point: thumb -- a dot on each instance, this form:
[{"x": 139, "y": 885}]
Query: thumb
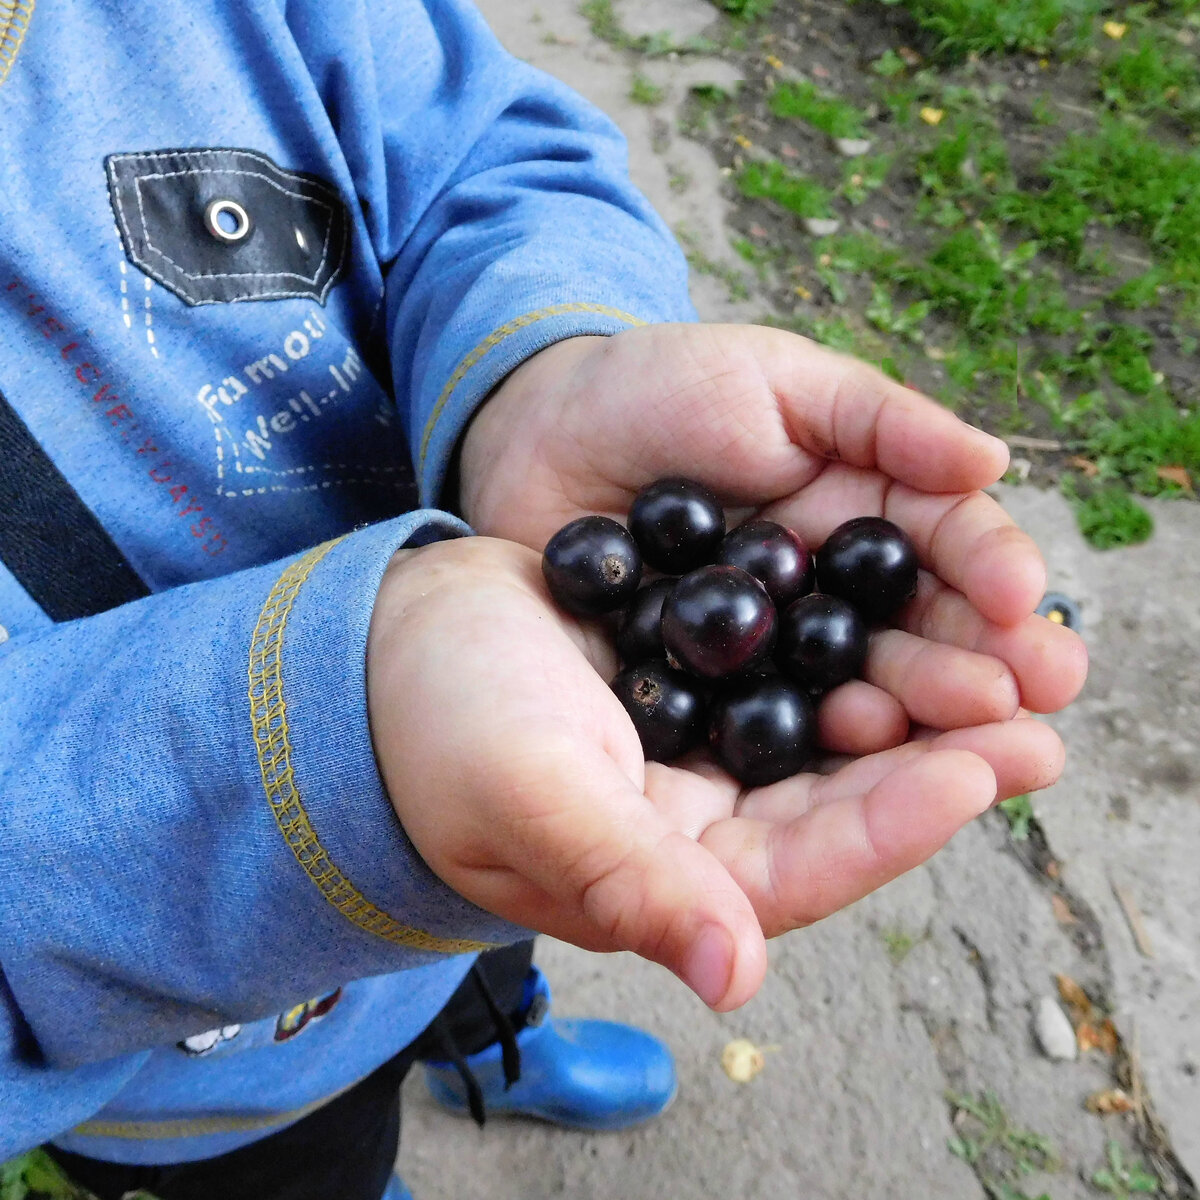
[{"x": 616, "y": 876}]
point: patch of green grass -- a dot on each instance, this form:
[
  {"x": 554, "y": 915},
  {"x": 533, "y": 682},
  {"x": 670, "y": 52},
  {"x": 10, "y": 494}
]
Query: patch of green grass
[
  {"x": 898, "y": 942},
  {"x": 960, "y": 28},
  {"x": 1018, "y": 810},
  {"x": 1108, "y": 516},
  {"x": 1123, "y": 1179},
  {"x": 643, "y": 91},
  {"x": 745, "y": 10},
  {"x": 36, "y": 1174},
  {"x": 699, "y": 262},
  {"x": 862, "y": 176},
  {"x": 1117, "y": 176},
  {"x": 604, "y": 24},
  {"x": 804, "y": 101},
  {"x": 1134, "y": 445},
  {"x": 1154, "y": 75},
  {"x": 796, "y": 193},
  {"x": 999, "y": 1151}
]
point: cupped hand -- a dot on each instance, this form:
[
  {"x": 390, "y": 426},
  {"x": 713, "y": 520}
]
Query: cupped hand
[
  {"x": 786, "y": 429},
  {"x": 520, "y": 780}
]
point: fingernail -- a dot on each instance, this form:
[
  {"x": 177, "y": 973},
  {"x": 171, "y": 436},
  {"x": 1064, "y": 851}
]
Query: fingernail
[{"x": 709, "y": 964}]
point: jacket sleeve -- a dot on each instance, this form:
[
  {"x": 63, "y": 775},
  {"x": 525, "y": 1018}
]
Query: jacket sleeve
[
  {"x": 194, "y": 827},
  {"x": 497, "y": 199}
]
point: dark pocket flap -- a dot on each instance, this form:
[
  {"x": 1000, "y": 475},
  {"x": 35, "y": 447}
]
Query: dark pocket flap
[{"x": 216, "y": 226}]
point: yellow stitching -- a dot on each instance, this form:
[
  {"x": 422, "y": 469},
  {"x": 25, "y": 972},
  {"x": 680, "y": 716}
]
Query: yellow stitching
[
  {"x": 12, "y": 33},
  {"x": 199, "y": 1126},
  {"x": 268, "y": 715},
  {"x": 499, "y": 335}
]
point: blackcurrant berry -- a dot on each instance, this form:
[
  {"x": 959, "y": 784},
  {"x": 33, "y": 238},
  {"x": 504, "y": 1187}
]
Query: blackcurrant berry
[
  {"x": 774, "y": 555},
  {"x": 665, "y": 706},
  {"x": 822, "y": 642},
  {"x": 871, "y": 563},
  {"x": 762, "y": 730},
  {"x": 639, "y": 637},
  {"x": 592, "y": 566},
  {"x": 678, "y": 524},
  {"x": 718, "y": 621}
]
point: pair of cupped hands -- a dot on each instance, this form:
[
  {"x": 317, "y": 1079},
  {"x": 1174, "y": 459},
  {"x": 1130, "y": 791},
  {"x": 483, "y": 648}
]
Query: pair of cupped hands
[{"x": 516, "y": 772}]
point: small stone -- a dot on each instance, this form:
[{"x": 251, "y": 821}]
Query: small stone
[
  {"x": 1019, "y": 468},
  {"x": 1054, "y": 1032},
  {"x": 821, "y": 226},
  {"x": 852, "y": 147}
]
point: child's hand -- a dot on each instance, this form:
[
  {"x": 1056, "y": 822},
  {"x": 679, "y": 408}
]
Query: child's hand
[
  {"x": 520, "y": 780},
  {"x": 810, "y": 438}
]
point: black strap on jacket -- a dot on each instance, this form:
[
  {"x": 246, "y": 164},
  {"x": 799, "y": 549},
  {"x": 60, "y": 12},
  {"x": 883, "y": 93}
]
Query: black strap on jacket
[{"x": 50, "y": 540}]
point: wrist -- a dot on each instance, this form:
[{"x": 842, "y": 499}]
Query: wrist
[{"x": 506, "y": 429}]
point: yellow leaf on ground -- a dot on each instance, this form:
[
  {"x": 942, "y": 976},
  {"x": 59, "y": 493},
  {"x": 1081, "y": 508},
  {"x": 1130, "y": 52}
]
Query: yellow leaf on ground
[
  {"x": 774, "y": 62},
  {"x": 1115, "y": 29},
  {"x": 932, "y": 116},
  {"x": 803, "y": 292},
  {"x": 742, "y": 1060},
  {"x": 743, "y": 141}
]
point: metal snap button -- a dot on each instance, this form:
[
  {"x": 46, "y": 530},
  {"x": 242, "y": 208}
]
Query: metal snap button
[{"x": 227, "y": 221}]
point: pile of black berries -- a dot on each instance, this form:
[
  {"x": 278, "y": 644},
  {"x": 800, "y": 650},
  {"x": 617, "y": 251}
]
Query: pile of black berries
[{"x": 742, "y": 633}]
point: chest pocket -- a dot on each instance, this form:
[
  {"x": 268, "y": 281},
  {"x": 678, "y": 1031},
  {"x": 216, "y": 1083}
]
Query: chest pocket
[{"x": 216, "y": 226}]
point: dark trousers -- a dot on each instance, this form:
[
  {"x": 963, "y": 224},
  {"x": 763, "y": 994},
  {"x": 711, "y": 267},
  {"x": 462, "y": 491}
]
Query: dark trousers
[{"x": 346, "y": 1149}]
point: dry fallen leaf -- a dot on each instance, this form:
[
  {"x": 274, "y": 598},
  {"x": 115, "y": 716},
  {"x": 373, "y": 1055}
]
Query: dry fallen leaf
[
  {"x": 1085, "y": 465},
  {"x": 910, "y": 56},
  {"x": 1062, "y": 911},
  {"x": 1075, "y": 998},
  {"x": 802, "y": 292},
  {"x": 1102, "y": 1037},
  {"x": 743, "y": 141},
  {"x": 1115, "y": 29},
  {"x": 1179, "y": 475},
  {"x": 742, "y": 1060},
  {"x": 774, "y": 63},
  {"x": 1112, "y": 1101},
  {"x": 932, "y": 116}
]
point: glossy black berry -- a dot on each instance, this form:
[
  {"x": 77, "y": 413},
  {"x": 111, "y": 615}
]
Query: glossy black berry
[
  {"x": 592, "y": 566},
  {"x": 666, "y": 707},
  {"x": 678, "y": 525},
  {"x": 639, "y": 636},
  {"x": 822, "y": 642},
  {"x": 774, "y": 555},
  {"x": 762, "y": 730},
  {"x": 871, "y": 563},
  {"x": 718, "y": 621}
]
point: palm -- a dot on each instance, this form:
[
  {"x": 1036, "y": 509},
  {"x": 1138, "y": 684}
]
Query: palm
[
  {"x": 520, "y": 780},
  {"x": 780, "y": 427}
]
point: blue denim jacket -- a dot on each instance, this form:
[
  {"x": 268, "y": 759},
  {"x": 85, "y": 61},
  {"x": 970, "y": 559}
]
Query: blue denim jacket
[{"x": 256, "y": 257}]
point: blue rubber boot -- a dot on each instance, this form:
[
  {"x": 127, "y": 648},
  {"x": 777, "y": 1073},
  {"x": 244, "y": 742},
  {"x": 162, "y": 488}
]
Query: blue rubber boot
[
  {"x": 581, "y": 1074},
  {"x": 396, "y": 1190}
]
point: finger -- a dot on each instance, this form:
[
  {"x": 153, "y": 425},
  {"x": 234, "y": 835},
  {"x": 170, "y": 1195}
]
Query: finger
[
  {"x": 1025, "y": 755},
  {"x": 621, "y": 877},
  {"x": 972, "y": 544},
  {"x": 835, "y": 853},
  {"x": 844, "y": 410},
  {"x": 941, "y": 685},
  {"x": 1048, "y": 661},
  {"x": 860, "y": 718},
  {"x": 966, "y": 539}
]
